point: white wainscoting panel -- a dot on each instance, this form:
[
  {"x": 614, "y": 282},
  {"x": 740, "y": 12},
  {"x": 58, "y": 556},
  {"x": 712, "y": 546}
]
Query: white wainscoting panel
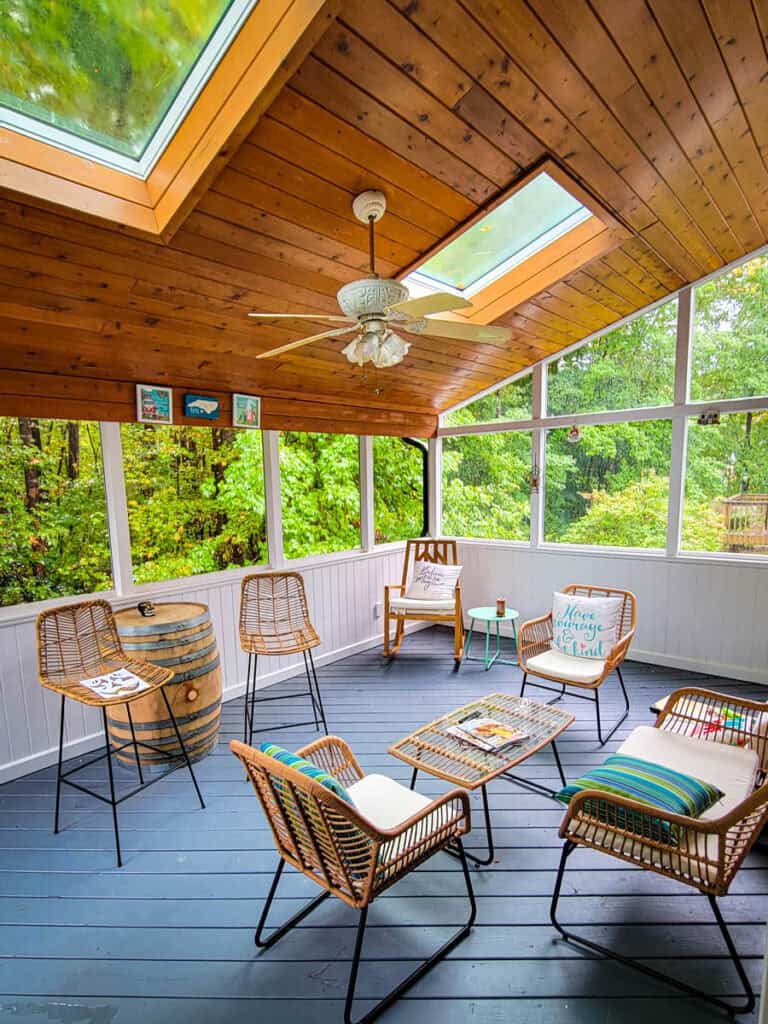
[
  {"x": 706, "y": 616},
  {"x": 341, "y": 594}
]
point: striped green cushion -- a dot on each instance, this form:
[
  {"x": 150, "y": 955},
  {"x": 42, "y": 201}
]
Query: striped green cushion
[
  {"x": 306, "y": 768},
  {"x": 648, "y": 783}
]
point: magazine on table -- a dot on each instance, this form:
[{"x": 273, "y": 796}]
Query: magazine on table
[
  {"x": 487, "y": 733},
  {"x": 120, "y": 683}
]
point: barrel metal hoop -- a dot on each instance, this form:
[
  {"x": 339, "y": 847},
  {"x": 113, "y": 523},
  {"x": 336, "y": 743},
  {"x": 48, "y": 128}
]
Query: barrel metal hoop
[
  {"x": 166, "y": 723},
  {"x": 159, "y": 645},
  {"x": 171, "y": 627},
  {"x": 182, "y": 659},
  {"x": 193, "y": 673}
]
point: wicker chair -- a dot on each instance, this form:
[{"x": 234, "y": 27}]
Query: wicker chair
[
  {"x": 80, "y": 641},
  {"x": 274, "y": 620},
  {"x": 704, "y": 853},
  {"x": 402, "y": 609},
  {"x": 537, "y": 657},
  {"x": 353, "y": 852}
]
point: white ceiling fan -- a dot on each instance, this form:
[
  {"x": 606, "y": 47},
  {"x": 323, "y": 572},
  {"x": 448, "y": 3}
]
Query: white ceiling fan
[{"x": 373, "y": 305}]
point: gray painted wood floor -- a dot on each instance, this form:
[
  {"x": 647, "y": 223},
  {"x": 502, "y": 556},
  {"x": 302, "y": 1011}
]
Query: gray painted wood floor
[{"x": 169, "y": 938}]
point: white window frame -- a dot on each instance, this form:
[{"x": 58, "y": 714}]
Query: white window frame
[{"x": 679, "y": 413}]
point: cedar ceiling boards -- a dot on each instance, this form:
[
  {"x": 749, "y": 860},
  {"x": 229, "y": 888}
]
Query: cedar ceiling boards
[{"x": 658, "y": 107}]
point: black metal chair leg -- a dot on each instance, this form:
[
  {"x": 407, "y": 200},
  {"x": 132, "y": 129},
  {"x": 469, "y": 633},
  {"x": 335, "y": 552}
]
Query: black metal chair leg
[
  {"x": 180, "y": 740},
  {"x": 481, "y": 861},
  {"x": 421, "y": 970},
  {"x": 749, "y": 1006},
  {"x": 112, "y": 799},
  {"x": 58, "y": 770},
  {"x": 245, "y": 702},
  {"x": 414, "y": 773},
  {"x": 317, "y": 690},
  {"x": 667, "y": 979},
  {"x": 135, "y": 744},
  {"x": 311, "y": 691},
  {"x": 559, "y": 696},
  {"x": 558, "y": 763},
  {"x": 278, "y": 933},
  {"x": 622, "y": 718},
  {"x": 522, "y": 685}
]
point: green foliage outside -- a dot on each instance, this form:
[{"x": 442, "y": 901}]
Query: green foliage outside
[
  {"x": 486, "y": 485},
  {"x": 320, "y": 484},
  {"x": 397, "y": 490},
  {"x": 104, "y": 69},
  {"x": 512, "y": 402},
  {"x": 54, "y": 538},
  {"x": 730, "y": 343},
  {"x": 195, "y": 499}
]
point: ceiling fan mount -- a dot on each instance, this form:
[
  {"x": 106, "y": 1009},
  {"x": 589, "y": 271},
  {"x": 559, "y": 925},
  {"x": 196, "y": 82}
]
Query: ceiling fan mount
[{"x": 372, "y": 305}]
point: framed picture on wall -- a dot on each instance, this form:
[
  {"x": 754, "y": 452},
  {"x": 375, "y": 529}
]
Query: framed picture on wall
[
  {"x": 246, "y": 411},
  {"x": 154, "y": 404},
  {"x": 201, "y": 407}
]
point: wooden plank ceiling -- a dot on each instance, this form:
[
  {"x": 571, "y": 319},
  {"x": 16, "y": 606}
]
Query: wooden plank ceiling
[{"x": 658, "y": 107}]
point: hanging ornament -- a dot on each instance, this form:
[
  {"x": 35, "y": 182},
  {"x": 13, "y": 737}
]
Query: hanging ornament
[{"x": 574, "y": 435}]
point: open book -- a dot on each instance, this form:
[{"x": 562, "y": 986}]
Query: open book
[
  {"x": 120, "y": 683},
  {"x": 487, "y": 733}
]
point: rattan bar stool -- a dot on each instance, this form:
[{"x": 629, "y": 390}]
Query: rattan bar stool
[
  {"x": 78, "y": 642},
  {"x": 274, "y": 620}
]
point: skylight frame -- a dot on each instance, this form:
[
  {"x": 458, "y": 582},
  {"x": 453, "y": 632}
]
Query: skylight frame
[
  {"x": 538, "y": 244},
  {"x": 186, "y": 97},
  {"x": 529, "y": 272}
]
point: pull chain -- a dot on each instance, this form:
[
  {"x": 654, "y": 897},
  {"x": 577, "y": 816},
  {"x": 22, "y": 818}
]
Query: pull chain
[{"x": 372, "y": 244}]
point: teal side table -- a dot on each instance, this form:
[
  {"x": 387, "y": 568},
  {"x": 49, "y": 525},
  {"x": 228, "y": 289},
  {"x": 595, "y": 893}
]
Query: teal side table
[{"x": 489, "y": 616}]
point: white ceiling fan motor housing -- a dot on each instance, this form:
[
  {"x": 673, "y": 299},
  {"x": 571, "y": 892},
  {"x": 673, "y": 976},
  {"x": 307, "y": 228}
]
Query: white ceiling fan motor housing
[{"x": 370, "y": 297}]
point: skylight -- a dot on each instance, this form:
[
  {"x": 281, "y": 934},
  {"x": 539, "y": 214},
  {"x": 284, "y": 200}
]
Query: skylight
[
  {"x": 529, "y": 220},
  {"x": 110, "y": 81}
]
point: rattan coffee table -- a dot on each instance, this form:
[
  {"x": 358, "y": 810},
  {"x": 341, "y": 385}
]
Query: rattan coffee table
[{"x": 432, "y": 749}]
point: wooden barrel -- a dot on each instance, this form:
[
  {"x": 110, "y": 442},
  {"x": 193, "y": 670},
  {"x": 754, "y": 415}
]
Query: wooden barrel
[{"x": 179, "y": 636}]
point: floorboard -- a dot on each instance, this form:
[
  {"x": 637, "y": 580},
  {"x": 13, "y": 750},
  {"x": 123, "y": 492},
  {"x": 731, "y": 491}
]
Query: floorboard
[{"x": 169, "y": 938}]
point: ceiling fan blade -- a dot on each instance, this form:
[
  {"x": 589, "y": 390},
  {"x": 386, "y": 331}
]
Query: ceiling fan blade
[
  {"x": 305, "y": 341},
  {"x": 303, "y": 316},
  {"x": 438, "y": 302},
  {"x": 462, "y": 331}
]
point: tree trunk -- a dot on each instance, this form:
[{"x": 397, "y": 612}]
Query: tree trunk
[
  {"x": 29, "y": 431},
  {"x": 747, "y": 444},
  {"x": 73, "y": 451}
]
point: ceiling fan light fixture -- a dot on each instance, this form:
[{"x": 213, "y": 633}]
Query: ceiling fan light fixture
[{"x": 391, "y": 351}]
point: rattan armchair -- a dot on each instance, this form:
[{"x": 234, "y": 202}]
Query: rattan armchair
[
  {"x": 535, "y": 645},
  {"x": 704, "y": 853},
  {"x": 274, "y": 620},
  {"x": 80, "y": 641},
  {"x": 401, "y": 609},
  {"x": 345, "y": 853}
]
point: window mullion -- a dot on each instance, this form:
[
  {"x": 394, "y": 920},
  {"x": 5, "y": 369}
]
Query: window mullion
[
  {"x": 117, "y": 507},
  {"x": 678, "y": 457},
  {"x": 538, "y": 453},
  {"x": 274, "y": 509},
  {"x": 367, "y": 530},
  {"x": 435, "y": 473}
]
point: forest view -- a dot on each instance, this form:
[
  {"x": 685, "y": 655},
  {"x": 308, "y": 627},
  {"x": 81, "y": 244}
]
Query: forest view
[
  {"x": 107, "y": 71},
  {"x": 196, "y": 499}
]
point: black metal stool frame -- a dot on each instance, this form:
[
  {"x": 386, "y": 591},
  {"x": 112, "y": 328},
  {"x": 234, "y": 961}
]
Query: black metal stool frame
[
  {"x": 112, "y": 800},
  {"x": 313, "y": 692}
]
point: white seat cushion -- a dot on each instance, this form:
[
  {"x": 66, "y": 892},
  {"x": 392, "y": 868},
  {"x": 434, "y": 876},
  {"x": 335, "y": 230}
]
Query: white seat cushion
[
  {"x": 384, "y": 802},
  {"x": 565, "y": 666},
  {"x": 411, "y": 604},
  {"x": 732, "y": 769}
]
